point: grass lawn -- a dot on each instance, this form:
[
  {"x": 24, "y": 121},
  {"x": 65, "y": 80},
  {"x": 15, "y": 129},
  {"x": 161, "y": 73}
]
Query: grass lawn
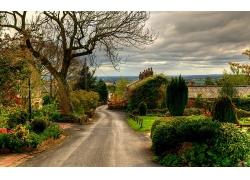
[
  {"x": 146, "y": 126},
  {"x": 147, "y": 123}
]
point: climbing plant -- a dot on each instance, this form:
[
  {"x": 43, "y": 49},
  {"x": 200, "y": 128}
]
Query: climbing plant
[{"x": 150, "y": 91}]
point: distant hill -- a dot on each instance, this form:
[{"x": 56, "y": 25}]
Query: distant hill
[{"x": 198, "y": 79}]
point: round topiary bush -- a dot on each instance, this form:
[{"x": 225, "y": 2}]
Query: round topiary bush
[
  {"x": 224, "y": 110},
  {"x": 38, "y": 125},
  {"x": 142, "y": 108}
]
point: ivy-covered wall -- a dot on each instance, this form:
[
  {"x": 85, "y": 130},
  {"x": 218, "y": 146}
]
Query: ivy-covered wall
[{"x": 151, "y": 90}]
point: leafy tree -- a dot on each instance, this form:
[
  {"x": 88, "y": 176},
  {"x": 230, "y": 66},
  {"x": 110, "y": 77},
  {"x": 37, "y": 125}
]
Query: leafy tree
[
  {"x": 121, "y": 86},
  {"x": 91, "y": 80},
  {"x": 177, "y": 96},
  {"x": 78, "y": 34},
  {"x": 228, "y": 89},
  {"x": 14, "y": 70},
  {"x": 102, "y": 91},
  {"x": 209, "y": 81}
]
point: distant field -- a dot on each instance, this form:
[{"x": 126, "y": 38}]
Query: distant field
[{"x": 198, "y": 79}]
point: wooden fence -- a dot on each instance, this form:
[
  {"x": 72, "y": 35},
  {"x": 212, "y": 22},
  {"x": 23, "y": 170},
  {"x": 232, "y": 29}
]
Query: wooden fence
[{"x": 136, "y": 119}]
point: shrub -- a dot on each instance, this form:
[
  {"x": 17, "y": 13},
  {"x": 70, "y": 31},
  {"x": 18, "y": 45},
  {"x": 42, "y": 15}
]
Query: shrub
[
  {"x": 47, "y": 99},
  {"x": 142, "y": 108},
  {"x": 48, "y": 110},
  {"x": 38, "y": 125},
  {"x": 33, "y": 140},
  {"x": 177, "y": 96},
  {"x": 192, "y": 111},
  {"x": 84, "y": 100},
  {"x": 223, "y": 110},
  {"x": 198, "y": 101},
  {"x": 155, "y": 123},
  {"x": 228, "y": 148},
  {"x": 171, "y": 160},
  {"x": 168, "y": 134},
  {"x": 242, "y": 103},
  {"x": 52, "y": 131},
  {"x": 17, "y": 117},
  {"x": 56, "y": 116},
  {"x": 242, "y": 113},
  {"x": 20, "y": 132}
]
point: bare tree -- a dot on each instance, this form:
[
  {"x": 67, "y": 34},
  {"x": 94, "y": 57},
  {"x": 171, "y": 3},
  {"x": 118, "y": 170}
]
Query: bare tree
[{"x": 78, "y": 34}]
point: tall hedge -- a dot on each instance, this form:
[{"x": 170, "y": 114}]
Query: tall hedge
[
  {"x": 223, "y": 110},
  {"x": 177, "y": 96}
]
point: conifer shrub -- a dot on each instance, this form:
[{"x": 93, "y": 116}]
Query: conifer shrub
[
  {"x": 224, "y": 110},
  {"x": 38, "y": 125},
  {"x": 177, "y": 96},
  {"x": 142, "y": 108}
]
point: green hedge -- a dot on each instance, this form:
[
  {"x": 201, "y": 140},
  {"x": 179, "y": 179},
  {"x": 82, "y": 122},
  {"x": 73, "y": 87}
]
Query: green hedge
[
  {"x": 169, "y": 134},
  {"x": 213, "y": 143}
]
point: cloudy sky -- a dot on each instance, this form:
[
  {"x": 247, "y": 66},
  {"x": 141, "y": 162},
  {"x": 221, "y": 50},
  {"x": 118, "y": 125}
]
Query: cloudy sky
[
  {"x": 192, "y": 40},
  {"x": 189, "y": 42}
]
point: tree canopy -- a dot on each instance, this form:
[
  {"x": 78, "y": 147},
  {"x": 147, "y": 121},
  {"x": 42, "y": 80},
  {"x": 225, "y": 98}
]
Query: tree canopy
[{"x": 76, "y": 34}]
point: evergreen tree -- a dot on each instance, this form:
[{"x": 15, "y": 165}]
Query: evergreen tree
[
  {"x": 224, "y": 110},
  {"x": 177, "y": 96},
  {"x": 91, "y": 80},
  {"x": 102, "y": 91}
]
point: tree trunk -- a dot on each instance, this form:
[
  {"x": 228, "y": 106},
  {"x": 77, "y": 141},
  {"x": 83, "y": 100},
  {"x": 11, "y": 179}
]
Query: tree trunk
[{"x": 66, "y": 106}]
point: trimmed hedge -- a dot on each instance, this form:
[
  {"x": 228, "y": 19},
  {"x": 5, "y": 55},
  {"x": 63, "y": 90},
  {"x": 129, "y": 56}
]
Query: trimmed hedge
[{"x": 169, "y": 134}]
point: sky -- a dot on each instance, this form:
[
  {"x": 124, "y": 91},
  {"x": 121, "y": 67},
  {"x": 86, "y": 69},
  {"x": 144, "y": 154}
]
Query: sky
[
  {"x": 190, "y": 42},
  {"x": 192, "y": 39}
]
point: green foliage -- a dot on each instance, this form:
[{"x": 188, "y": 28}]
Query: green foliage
[
  {"x": 121, "y": 86},
  {"x": 228, "y": 89},
  {"x": 33, "y": 140},
  {"x": 223, "y": 110},
  {"x": 20, "y": 132},
  {"x": 192, "y": 111},
  {"x": 38, "y": 125},
  {"x": 52, "y": 131},
  {"x": 232, "y": 142},
  {"x": 171, "y": 160},
  {"x": 83, "y": 100},
  {"x": 147, "y": 90},
  {"x": 218, "y": 144},
  {"x": 242, "y": 103},
  {"x": 242, "y": 113},
  {"x": 91, "y": 80},
  {"x": 56, "y": 116},
  {"x": 177, "y": 96},
  {"x": 13, "y": 72},
  {"x": 168, "y": 134},
  {"x": 47, "y": 99},
  {"x": 48, "y": 110},
  {"x": 102, "y": 91},
  {"x": 209, "y": 81},
  {"x": 142, "y": 108},
  {"x": 16, "y": 118},
  {"x": 155, "y": 123},
  {"x": 198, "y": 101}
]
